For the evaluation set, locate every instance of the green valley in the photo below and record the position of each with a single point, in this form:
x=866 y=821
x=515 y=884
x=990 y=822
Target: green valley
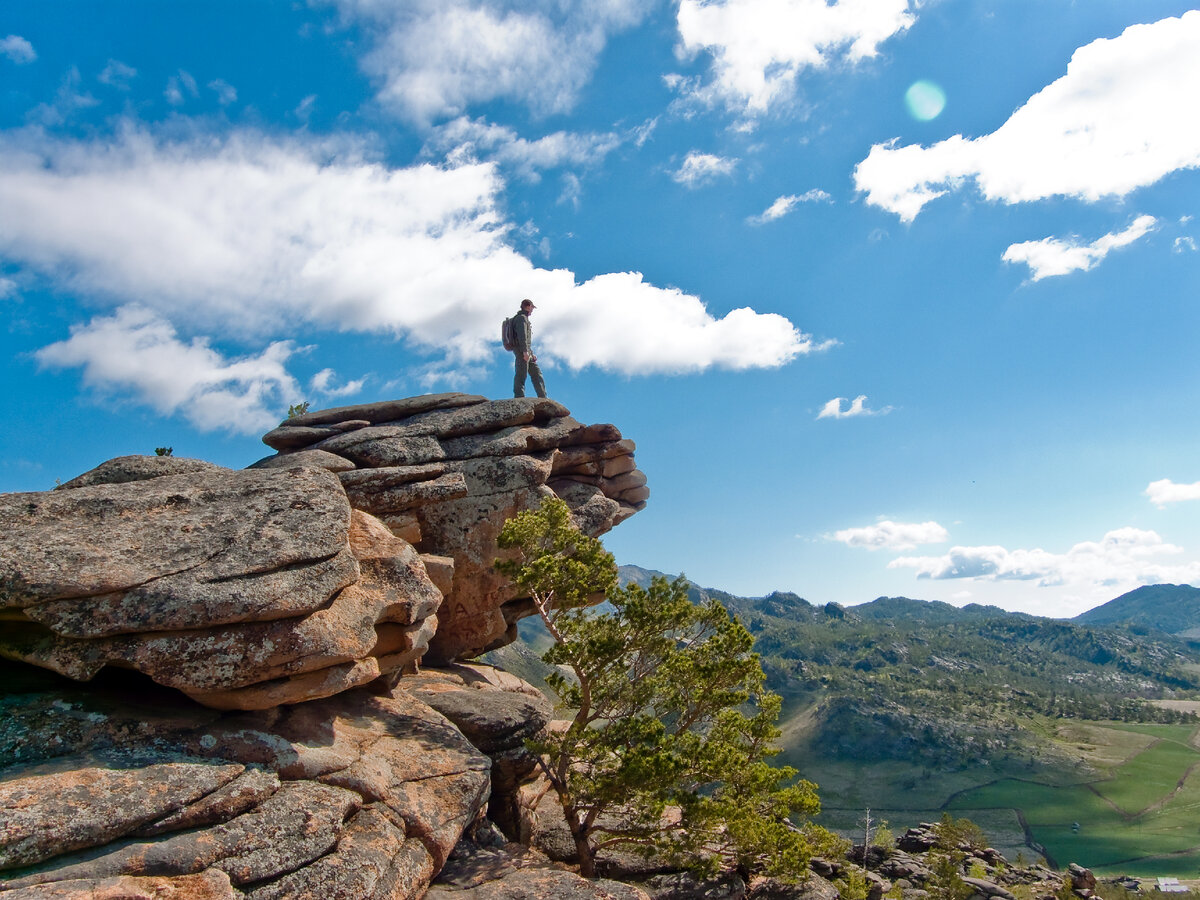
x=1074 y=741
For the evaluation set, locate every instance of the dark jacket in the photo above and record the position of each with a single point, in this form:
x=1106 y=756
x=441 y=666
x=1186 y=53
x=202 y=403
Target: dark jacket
x=523 y=332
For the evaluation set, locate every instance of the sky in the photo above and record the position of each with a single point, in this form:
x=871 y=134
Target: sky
x=896 y=297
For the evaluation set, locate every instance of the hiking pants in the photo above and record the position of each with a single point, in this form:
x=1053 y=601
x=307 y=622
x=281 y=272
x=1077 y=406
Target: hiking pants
x=531 y=369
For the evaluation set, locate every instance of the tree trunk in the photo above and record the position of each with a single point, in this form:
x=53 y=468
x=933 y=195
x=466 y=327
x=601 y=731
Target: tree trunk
x=583 y=847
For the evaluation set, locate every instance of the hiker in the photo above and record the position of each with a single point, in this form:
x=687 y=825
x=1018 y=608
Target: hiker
x=526 y=362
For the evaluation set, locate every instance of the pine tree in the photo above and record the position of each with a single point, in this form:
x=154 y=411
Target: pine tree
x=671 y=730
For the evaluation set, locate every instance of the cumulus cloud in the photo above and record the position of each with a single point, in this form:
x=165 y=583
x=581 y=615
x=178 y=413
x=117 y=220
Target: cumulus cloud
x=784 y=205
x=833 y=409
x=1184 y=244
x=434 y=58
x=1125 y=556
x=16 y=49
x=465 y=138
x=137 y=351
x=893 y=535
x=759 y=48
x=703 y=168
x=1166 y=491
x=1121 y=118
x=1054 y=256
x=253 y=237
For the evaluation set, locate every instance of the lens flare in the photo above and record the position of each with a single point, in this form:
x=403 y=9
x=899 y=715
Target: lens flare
x=925 y=100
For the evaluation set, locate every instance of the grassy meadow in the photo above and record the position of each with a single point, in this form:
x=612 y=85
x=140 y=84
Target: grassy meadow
x=1128 y=802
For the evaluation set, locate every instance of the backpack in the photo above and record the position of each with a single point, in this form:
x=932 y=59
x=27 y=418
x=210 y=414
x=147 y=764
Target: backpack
x=508 y=333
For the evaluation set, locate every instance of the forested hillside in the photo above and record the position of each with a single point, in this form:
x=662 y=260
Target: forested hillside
x=940 y=686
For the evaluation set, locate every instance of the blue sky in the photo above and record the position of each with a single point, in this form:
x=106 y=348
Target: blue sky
x=896 y=297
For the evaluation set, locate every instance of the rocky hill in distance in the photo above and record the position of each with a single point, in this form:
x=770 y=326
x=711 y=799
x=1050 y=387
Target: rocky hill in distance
x=1170 y=608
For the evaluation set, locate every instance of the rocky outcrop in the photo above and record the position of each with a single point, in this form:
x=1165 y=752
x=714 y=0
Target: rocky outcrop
x=244 y=589
x=445 y=471
x=361 y=795
x=276 y=598
x=497 y=713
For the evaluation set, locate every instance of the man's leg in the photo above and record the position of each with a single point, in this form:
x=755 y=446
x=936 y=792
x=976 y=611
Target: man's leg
x=519 y=377
x=539 y=383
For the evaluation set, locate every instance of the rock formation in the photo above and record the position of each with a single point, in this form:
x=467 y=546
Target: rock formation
x=244 y=589
x=275 y=598
x=445 y=471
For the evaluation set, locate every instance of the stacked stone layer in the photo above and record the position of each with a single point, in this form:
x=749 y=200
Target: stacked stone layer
x=105 y=789
x=276 y=597
x=445 y=471
x=242 y=589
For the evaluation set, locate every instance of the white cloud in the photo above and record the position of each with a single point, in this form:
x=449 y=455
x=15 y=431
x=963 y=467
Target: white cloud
x=1184 y=244
x=893 y=535
x=136 y=351
x=1121 y=118
x=833 y=409
x=304 y=108
x=572 y=190
x=226 y=92
x=434 y=58
x=702 y=168
x=69 y=99
x=784 y=205
x=1054 y=256
x=469 y=139
x=323 y=383
x=16 y=49
x=8 y=288
x=266 y=236
x=180 y=86
x=1166 y=491
x=117 y=74
x=760 y=47
x=1124 y=557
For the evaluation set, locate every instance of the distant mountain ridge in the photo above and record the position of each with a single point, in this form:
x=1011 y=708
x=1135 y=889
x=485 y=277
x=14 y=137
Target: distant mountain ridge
x=898 y=678
x=1170 y=608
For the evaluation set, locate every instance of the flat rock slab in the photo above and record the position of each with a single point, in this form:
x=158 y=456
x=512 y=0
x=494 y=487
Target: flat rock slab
x=244 y=589
x=172 y=552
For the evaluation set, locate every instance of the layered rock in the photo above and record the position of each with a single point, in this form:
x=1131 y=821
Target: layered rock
x=276 y=597
x=445 y=471
x=243 y=589
x=355 y=796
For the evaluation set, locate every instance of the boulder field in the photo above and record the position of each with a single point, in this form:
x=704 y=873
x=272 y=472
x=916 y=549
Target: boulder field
x=255 y=683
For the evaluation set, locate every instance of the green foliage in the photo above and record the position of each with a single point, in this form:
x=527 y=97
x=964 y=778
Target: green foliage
x=853 y=884
x=163 y=451
x=953 y=833
x=297 y=409
x=667 y=751
x=883 y=837
x=945 y=882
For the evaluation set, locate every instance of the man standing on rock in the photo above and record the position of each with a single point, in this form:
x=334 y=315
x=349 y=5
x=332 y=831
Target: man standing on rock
x=525 y=360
